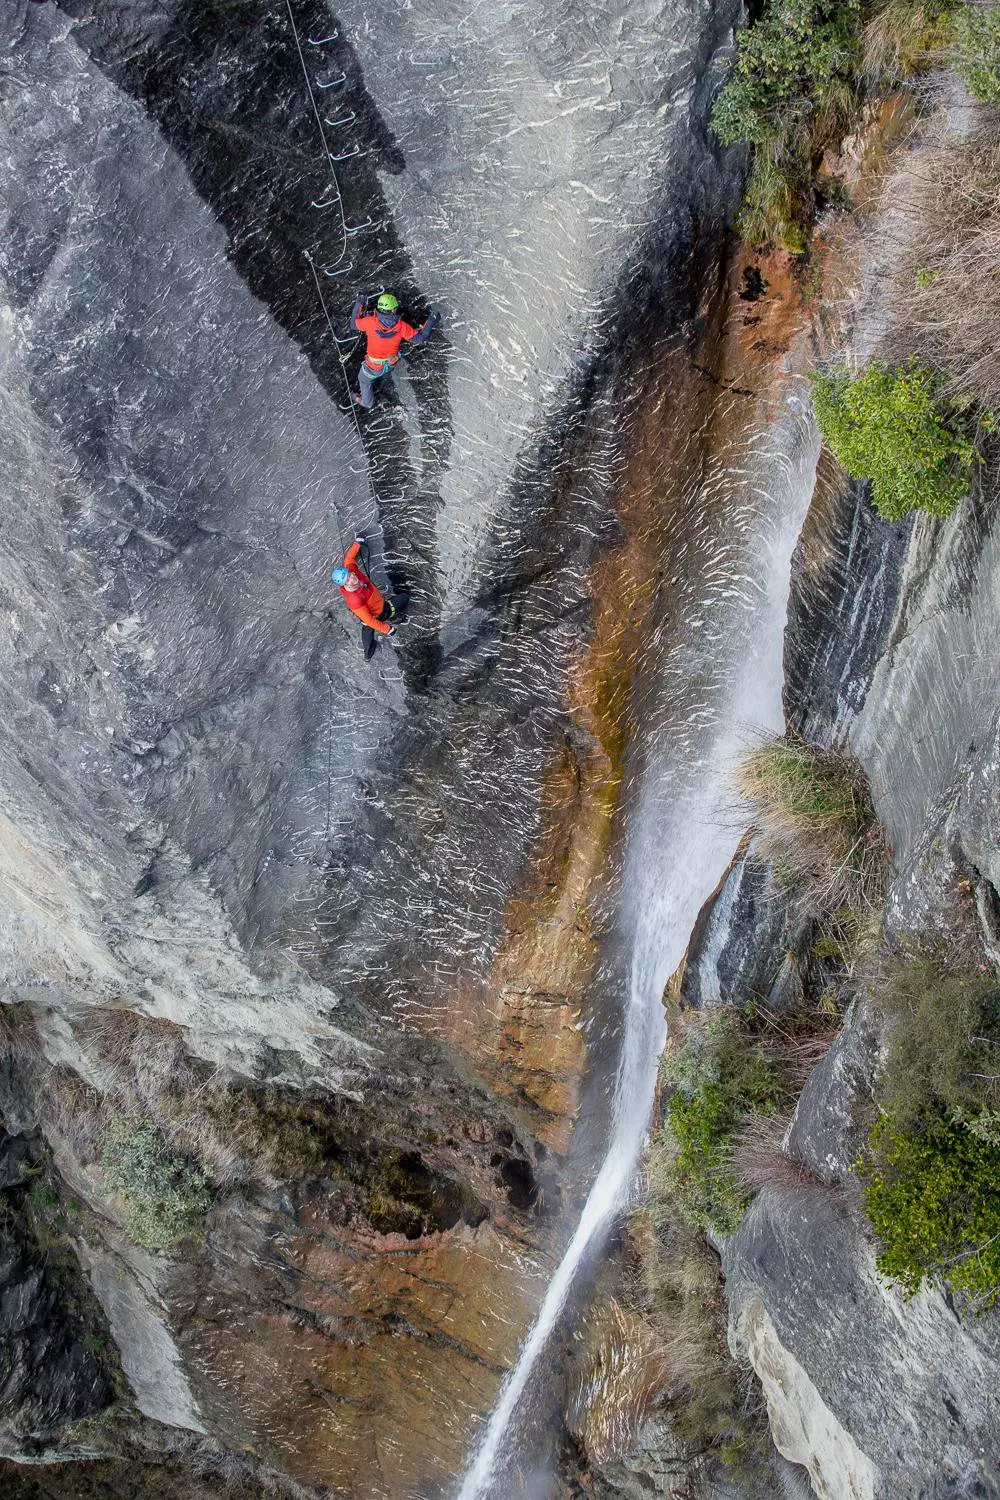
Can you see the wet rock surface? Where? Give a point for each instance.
(51, 1328)
(382, 891)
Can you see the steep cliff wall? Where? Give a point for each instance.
(361, 909)
(870, 1392)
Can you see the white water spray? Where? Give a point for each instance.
(686, 836)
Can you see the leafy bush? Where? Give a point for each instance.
(814, 819)
(944, 1044)
(892, 427)
(165, 1196)
(977, 47)
(784, 65)
(721, 1075)
(932, 1164)
(932, 1199)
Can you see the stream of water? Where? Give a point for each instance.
(683, 821)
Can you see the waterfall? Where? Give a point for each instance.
(684, 827)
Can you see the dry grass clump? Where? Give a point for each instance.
(715, 1406)
(761, 1162)
(901, 39)
(18, 1035)
(813, 819)
(947, 305)
(143, 1066)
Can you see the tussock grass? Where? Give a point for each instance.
(947, 305)
(761, 1162)
(714, 1403)
(901, 39)
(813, 819)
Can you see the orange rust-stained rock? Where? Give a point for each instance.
(359, 1327)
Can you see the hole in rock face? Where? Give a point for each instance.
(505, 1138)
(754, 286)
(406, 1197)
(519, 1180)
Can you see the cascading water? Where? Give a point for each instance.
(683, 822)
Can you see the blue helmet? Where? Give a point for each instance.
(340, 575)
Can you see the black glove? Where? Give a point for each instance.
(360, 539)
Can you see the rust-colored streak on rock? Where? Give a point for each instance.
(367, 1364)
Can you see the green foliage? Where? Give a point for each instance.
(784, 66)
(932, 1166)
(165, 1196)
(892, 426)
(944, 1052)
(932, 1200)
(977, 50)
(721, 1075)
(777, 202)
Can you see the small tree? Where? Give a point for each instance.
(892, 426)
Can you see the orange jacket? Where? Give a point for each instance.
(383, 343)
(366, 602)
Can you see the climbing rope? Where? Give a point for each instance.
(340, 266)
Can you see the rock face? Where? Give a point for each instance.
(51, 1374)
(365, 904)
(885, 655)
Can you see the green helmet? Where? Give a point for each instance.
(387, 303)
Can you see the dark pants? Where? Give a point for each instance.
(366, 384)
(394, 608)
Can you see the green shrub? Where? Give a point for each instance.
(944, 1045)
(889, 426)
(721, 1075)
(785, 63)
(932, 1200)
(814, 819)
(931, 1170)
(165, 1196)
(977, 39)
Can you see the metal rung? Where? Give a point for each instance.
(331, 83)
(347, 119)
(346, 155)
(321, 41)
(380, 426)
(340, 270)
(327, 202)
(350, 229)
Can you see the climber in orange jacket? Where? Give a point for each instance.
(372, 608)
(384, 331)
